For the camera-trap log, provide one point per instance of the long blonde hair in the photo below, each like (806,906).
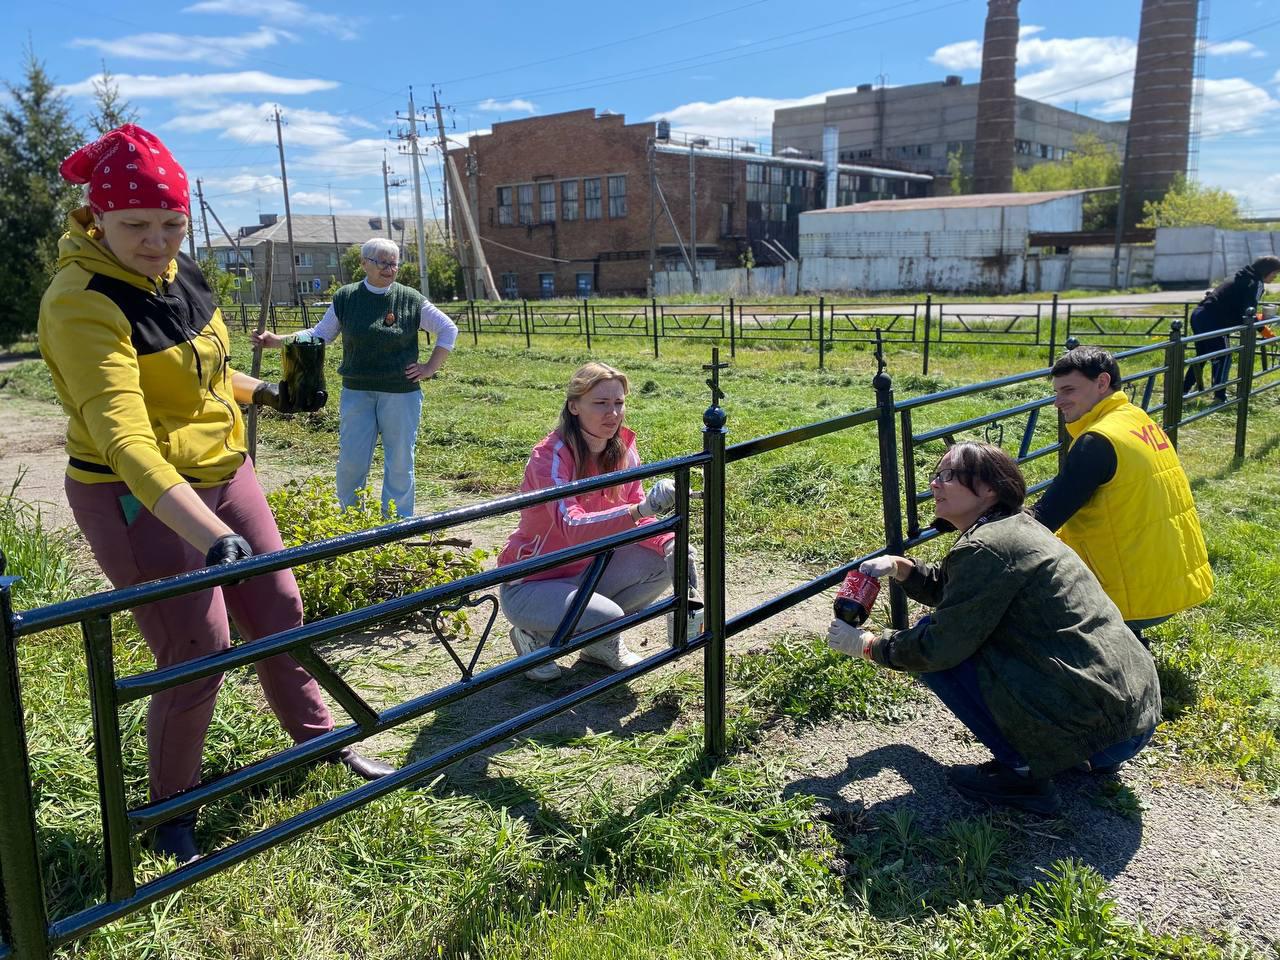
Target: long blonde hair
(584,379)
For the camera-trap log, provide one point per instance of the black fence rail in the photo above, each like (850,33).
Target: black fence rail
(820,323)
(31,933)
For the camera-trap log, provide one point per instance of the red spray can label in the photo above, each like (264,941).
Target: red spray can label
(857,595)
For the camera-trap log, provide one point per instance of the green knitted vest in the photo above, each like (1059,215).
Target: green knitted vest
(379,336)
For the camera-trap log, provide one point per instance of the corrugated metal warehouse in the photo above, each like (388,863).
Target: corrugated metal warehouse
(973,243)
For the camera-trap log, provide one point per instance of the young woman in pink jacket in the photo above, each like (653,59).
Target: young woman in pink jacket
(589,440)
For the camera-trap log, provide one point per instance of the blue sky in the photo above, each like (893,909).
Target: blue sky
(205,75)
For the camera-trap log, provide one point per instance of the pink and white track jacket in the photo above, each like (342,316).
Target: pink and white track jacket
(574,520)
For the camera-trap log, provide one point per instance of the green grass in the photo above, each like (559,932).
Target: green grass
(594,843)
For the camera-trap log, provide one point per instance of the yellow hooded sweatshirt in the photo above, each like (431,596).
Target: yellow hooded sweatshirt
(1139,532)
(141,369)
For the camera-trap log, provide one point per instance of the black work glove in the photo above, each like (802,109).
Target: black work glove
(274,395)
(228,549)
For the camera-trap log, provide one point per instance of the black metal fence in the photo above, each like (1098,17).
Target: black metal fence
(822,323)
(31,933)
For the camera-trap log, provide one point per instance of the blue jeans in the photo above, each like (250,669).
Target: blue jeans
(958,689)
(362,416)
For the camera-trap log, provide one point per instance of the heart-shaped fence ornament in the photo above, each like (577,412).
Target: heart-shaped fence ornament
(438,625)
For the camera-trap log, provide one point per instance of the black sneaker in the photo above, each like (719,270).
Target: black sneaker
(994,783)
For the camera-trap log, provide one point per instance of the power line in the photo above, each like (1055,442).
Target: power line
(604,46)
(685,62)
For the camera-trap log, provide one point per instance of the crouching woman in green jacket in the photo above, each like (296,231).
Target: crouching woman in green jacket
(1023,645)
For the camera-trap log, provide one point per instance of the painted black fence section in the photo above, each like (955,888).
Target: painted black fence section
(29,933)
(822,323)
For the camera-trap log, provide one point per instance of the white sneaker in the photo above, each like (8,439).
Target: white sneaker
(696,622)
(611,653)
(524,643)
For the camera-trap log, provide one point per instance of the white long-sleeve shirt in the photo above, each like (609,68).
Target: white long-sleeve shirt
(434,320)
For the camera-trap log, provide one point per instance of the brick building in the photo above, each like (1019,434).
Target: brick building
(563,202)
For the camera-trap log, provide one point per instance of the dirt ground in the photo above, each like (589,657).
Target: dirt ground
(1199,858)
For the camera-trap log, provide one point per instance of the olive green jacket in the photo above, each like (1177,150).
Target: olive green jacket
(1060,672)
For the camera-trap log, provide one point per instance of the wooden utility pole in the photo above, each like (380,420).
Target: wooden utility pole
(482,262)
(444,152)
(288,215)
(386,191)
(653,219)
(423,285)
(204,217)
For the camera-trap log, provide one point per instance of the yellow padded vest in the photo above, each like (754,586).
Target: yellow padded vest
(1139,532)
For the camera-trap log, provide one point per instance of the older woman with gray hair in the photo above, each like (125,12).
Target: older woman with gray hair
(379,321)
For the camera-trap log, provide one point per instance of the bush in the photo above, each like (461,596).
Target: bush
(307,511)
(43,559)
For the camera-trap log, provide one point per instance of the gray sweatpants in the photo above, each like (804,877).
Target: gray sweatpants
(634,578)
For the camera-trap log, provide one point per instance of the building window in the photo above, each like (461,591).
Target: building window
(726,219)
(302,259)
(546,202)
(304,288)
(1022,146)
(617,197)
(504,206)
(591,198)
(547,285)
(524,197)
(864,154)
(333,258)
(510,286)
(583,284)
(569,200)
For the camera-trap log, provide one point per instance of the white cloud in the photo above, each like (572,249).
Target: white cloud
(965,55)
(1235,106)
(247,123)
(747,118)
(1233,48)
(287,12)
(242,183)
(316,198)
(142,86)
(507,106)
(186,47)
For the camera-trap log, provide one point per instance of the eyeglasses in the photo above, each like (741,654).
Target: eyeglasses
(947,475)
(384,264)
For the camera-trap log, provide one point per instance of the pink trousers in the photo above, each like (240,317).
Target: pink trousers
(132,547)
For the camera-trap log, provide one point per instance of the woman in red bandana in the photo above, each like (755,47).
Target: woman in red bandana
(158,475)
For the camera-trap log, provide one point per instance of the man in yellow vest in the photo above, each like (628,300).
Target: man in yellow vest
(1122,500)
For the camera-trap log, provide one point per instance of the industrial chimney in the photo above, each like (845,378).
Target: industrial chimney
(1160,111)
(997,100)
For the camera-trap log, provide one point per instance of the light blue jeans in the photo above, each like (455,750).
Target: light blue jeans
(362,416)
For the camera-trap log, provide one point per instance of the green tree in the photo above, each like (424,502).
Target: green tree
(220,281)
(36,133)
(110,109)
(1191,204)
(961,182)
(1092,164)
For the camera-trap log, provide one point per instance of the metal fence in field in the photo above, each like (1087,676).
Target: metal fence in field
(822,324)
(32,927)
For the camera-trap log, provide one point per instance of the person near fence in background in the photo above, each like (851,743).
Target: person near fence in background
(1227,305)
(589,440)
(159,480)
(379,320)
(1023,646)
(1122,500)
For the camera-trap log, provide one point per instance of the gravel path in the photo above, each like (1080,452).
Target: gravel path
(1198,858)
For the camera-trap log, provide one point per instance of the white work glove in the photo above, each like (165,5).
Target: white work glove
(878,567)
(660,499)
(851,641)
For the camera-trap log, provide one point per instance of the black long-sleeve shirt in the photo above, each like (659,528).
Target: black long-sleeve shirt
(1090,464)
